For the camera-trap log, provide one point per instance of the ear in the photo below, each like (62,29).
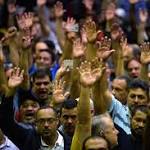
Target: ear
(101,133)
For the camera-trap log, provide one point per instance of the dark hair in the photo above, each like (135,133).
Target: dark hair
(142,108)
(93,137)
(40,73)
(138,83)
(136,59)
(48,107)
(126,78)
(69,104)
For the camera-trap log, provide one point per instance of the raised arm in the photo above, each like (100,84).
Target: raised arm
(88,77)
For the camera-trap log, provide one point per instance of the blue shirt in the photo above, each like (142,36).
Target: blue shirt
(120,114)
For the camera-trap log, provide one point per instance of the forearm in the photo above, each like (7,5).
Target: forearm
(24,65)
(60,33)
(67,51)
(90,52)
(43,21)
(144,72)
(98,99)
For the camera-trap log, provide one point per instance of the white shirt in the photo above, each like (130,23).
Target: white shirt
(59,144)
(8,145)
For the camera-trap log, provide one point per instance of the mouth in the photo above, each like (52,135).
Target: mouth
(29,115)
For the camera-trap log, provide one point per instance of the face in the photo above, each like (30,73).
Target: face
(134,68)
(43,59)
(137,97)
(111,133)
(119,90)
(96,144)
(69,120)
(138,122)
(28,110)
(41,87)
(46,122)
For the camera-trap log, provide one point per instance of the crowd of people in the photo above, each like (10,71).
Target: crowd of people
(74,74)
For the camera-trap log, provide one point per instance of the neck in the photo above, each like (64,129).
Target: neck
(50,140)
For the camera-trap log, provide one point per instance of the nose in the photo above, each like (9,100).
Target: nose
(69,120)
(29,108)
(46,124)
(113,91)
(116,131)
(136,100)
(141,124)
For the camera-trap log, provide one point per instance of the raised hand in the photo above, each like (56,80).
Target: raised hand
(26,41)
(88,75)
(83,35)
(90,29)
(126,51)
(88,4)
(78,48)
(97,68)
(25,21)
(143,14)
(12,31)
(58,9)
(116,32)
(58,91)
(133,1)
(103,50)
(15,78)
(11,8)
(41,3)
(70,28)
(145,53)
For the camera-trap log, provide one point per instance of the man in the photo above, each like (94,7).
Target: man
(120,88)
(138,121)
(40,85)
(68,117)
(138,93)
(133,68)
(46,124)
(95,143)
(103,125)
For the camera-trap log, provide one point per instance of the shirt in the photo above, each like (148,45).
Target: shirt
(59,144)
(8,145)
(120,114)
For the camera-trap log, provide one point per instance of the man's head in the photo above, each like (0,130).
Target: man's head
(27,111)
(45,58)
(95,143)
(138,93)
(120,88)
(103,125)
(133,68)
(47,122)
(69,116)
(41,81)
(138,121)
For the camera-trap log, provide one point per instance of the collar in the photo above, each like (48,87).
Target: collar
(5,144)
(59,142)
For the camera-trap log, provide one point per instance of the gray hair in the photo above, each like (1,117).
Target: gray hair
(99,124)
